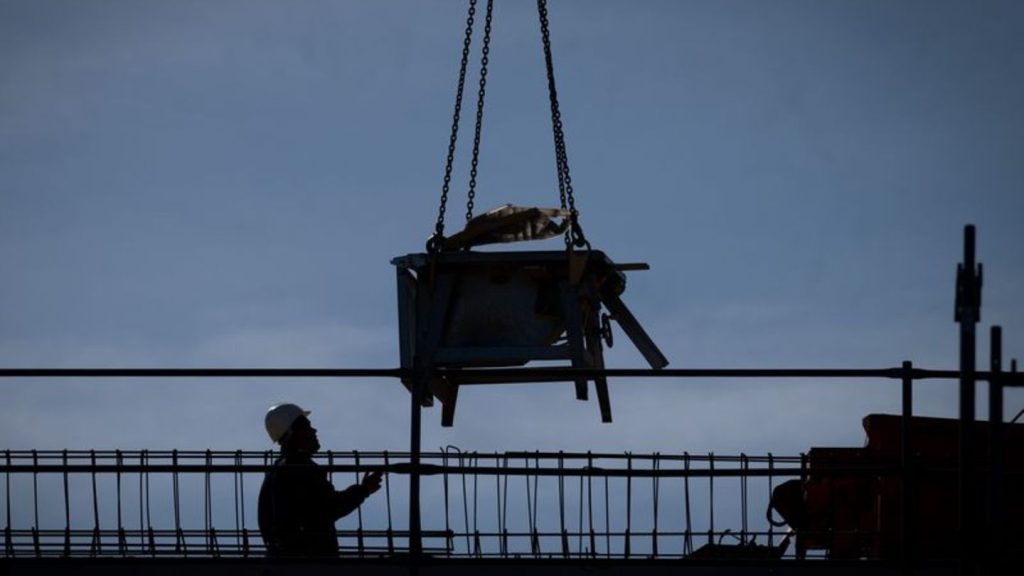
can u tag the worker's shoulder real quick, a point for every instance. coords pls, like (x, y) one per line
(297, 466)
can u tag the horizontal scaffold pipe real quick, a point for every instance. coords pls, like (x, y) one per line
(433, 469)
(262, 455)
(510, 375)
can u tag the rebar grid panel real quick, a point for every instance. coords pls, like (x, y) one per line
(505, 505)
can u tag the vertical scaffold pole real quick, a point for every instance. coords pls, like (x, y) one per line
(415, 529)
(968, 311)
(907, 466)
(997, 460)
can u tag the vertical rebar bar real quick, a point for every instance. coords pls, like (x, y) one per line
(67, 505)
(208, 502)
(498, 501)
(149, 514)
(95, 547)
(35, 489)
(711, 498)
(655, 493)
(745, 466)
(607, 521)
(477, 548)
(628, 544)
(142, 527)
(579, 529)
(360, 541)
(504, 507)
(771, 483)
(530, 520)
(561, 504)
(8, 543)
(387, 497)
(800, 549)
(444, 483)
(122, 543)
(590, 505)
(536, 498)
(179, 538)
(688, 534)
(239, 499)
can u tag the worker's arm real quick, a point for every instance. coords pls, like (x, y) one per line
(347, 500)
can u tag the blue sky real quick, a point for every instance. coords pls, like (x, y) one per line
(223, 184)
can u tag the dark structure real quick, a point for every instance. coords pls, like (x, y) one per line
(903, 504)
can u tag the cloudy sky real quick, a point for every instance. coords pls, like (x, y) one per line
(223, 184)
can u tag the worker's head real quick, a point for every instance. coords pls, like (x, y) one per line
(288, 425)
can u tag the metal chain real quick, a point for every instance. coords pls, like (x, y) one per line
(573, 236)
(434, 244)
(484, 59)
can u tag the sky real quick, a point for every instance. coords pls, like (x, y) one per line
(223, 184)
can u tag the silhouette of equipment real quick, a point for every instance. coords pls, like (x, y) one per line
(500, 309)
(463, 309)
(851, 513)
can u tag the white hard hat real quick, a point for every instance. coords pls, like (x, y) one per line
(280, 418)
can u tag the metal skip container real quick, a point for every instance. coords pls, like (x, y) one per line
(464, 309)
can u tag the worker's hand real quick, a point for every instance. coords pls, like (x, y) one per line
(371, 482)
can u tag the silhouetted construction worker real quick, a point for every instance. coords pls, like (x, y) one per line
(298, 505)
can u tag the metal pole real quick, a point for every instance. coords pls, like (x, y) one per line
(968, 304)
(415, 435)
(906, 454)
(997, 474)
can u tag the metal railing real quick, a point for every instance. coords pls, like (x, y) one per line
(522, 504)
(505, 505)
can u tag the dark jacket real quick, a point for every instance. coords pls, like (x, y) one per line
(298, 507)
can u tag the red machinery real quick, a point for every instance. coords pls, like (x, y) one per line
(850, 503)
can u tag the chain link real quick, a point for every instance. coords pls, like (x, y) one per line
(434, 244)
(573, 236)
(484, 60)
